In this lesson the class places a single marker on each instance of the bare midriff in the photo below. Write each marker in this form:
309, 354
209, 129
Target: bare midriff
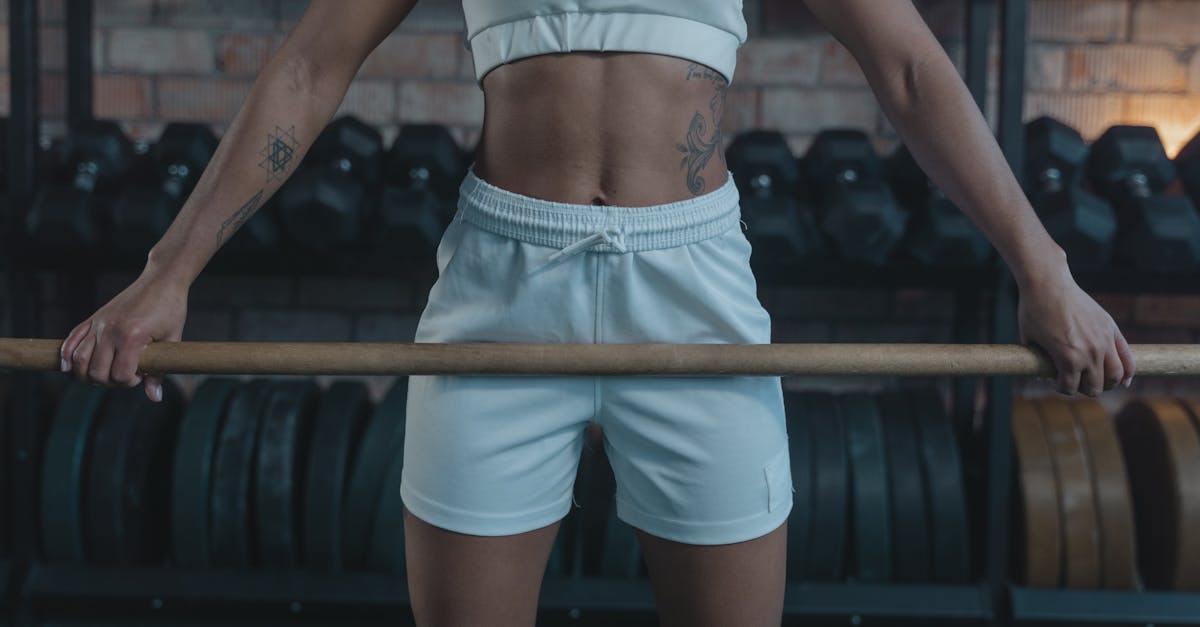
627, 129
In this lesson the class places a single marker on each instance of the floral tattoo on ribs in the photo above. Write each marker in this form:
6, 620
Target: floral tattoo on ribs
698, 149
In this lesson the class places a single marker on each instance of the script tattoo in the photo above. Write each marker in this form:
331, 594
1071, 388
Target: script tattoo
239, 217
698, 149
277, 154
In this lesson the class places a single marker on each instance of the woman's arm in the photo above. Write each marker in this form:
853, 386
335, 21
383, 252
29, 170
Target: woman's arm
924, 98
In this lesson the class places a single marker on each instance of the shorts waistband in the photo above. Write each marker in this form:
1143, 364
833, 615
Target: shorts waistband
605, 228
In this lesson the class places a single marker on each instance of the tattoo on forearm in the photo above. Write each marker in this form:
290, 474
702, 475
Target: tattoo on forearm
699, 150
277, 154
239, 217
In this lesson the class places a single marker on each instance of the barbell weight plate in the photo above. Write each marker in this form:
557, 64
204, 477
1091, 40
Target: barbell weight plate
386, 549
63, 472
382, 441
128, 482
870, 519
1038, 521
4, 474
801, 450
909, 506
593, 497
1077, 502
943, 473
1114, 505
278, 470
337, 429
827, 547
233, 472
1162, 454
622, 554
192, 478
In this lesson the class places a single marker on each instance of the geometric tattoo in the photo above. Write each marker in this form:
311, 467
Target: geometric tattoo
277, 154
698, 150
239, 217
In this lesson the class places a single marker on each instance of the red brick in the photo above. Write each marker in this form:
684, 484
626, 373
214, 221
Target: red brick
890, 332
1045, 66
371, 101
52, 94
49, 11
121, 97
1119, 306
1177, 118
1167, 311
779, 61
161, 50
439, 15
1127, 68
944, 17
741, 111
122, 12
839, 67
813, 110
1156, 335
788, 16
4, 48
52, 48
441, 102
1091, 114
923, 305
414, 55
1078, 20
1166, 21
1194, 73
233, 14
205, 99
244, 54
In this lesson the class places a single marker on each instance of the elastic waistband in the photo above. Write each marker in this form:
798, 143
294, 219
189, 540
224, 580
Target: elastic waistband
625, 229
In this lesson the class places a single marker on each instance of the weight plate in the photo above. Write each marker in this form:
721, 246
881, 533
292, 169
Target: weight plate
62, 472
622, 554
943, 475
233, 470
336, 430
382, 441
192, 478
910, 523
1038, 521
1114, 505
556, 564
1162, 453
827, 547
386, 549
278, 470
1077, 502
128, 482
4, 474
594, 490
800, 449
869, 517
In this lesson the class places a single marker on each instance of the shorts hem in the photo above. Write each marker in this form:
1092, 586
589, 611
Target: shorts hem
476, 524
705, 533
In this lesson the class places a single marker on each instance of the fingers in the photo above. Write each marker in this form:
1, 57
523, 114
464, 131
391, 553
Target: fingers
81, 357
67, 350
153, 387
1127, 362
124, 365
1114, 369
1070, 372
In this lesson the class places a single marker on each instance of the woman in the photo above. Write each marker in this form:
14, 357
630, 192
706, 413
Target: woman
599, 210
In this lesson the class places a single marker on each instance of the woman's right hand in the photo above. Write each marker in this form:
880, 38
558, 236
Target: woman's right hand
106, 347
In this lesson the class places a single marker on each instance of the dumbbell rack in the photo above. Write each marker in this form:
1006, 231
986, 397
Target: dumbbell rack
981, 294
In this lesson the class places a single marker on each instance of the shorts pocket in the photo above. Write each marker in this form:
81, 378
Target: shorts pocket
778, 472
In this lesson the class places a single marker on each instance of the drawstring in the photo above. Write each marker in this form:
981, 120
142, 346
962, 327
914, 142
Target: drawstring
606, 236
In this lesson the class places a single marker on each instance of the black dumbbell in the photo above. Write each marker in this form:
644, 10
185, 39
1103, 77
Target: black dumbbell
69, 215
424, 168
1158, 232
939, 234
324, 205
1187, 163
856, 207
143, 212
1084, 224
779, 226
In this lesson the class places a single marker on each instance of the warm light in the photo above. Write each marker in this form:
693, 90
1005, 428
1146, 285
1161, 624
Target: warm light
1176, 136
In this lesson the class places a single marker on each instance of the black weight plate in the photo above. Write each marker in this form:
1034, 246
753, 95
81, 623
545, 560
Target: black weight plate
870, 519
827, 547
943, 474
622, 554
556, 565
4, 499
230, 524
279, 466
910, 524
386, 550
63, 472
336, 430
192, 478
128, 482
382, 442
800, 449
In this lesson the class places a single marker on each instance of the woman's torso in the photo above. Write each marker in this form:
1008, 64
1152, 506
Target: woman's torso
629, 129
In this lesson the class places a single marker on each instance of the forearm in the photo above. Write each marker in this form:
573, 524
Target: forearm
286, 108
938, 120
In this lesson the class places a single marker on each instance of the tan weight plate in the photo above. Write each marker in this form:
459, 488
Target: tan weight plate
1114, 505
1077, 503
1038, 501
1192, 526
1162, 453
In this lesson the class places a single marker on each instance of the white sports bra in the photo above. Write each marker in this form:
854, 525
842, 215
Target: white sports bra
705, 31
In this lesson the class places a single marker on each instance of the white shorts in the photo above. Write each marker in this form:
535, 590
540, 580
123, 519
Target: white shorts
699, 460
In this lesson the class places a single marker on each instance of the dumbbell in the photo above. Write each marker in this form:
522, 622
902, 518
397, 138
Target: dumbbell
1084, 224
779, 227
857, 210
142, 213
939, 234
1187, 163
67, 216
323, 207
1158, 232
424, 168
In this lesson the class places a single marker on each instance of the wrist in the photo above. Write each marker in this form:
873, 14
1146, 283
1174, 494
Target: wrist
163, 267
1048, 267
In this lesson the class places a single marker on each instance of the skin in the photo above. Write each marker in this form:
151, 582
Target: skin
620, 129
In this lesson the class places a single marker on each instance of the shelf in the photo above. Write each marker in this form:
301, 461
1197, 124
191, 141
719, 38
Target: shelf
1108, 607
